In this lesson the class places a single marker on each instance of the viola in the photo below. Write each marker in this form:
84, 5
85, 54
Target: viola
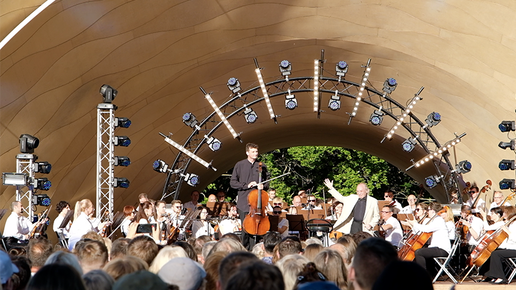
256, 221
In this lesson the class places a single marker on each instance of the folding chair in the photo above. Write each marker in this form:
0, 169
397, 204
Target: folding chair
444, 262
511, 265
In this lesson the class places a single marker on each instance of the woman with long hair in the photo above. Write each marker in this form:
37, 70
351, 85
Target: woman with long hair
146, 213
81, 223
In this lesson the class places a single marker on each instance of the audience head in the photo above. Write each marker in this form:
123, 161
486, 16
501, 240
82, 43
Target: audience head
144, 248
56, 277
290, 266
288, 246
312, 250
92, 254
230, 264
141, 280
164, 255
256, 276
309, 275
227, 245
65, 258
98, 280
119, 248
183, 272
330, 263
38, 251
270, 240
7, 269
125, 265
189, 249
20, 279
211, 266
360, 236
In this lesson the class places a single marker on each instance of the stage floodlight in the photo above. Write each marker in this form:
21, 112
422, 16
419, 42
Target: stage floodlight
42, 167
41, 199
341, 68
121, 182
122, 161
191, 179
376, 117
190, 120
42, 183
506, 164
290, 101
389, 85
16, 179
108, 93
464, 166
507, 184
160, 166
433, 119
213, 143
285, 67
250, 115
431, 181
505, 145
122, 122
409, 144
234, 85
28, 143
334, 103
122, 141
507, 126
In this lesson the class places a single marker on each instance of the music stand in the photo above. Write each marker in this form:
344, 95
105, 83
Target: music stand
66, 219
274, 221
296, 223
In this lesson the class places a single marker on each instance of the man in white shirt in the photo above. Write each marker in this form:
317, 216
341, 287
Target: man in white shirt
498, 199
62, 208
411, 207
389, 196
16, 225
473, 202
475, 228
391, 226
194, 202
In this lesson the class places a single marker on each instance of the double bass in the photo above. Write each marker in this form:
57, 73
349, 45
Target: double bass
256, 221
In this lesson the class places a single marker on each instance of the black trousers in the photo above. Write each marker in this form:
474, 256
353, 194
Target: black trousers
496, 263
425, 258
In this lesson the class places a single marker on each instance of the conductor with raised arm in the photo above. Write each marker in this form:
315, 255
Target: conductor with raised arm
360, 211
245, 178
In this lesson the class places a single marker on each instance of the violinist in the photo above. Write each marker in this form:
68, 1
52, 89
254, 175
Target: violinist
232, 223
507, 249
496, 215
439, 244
447, 215
146, 214
411, 207
389, 196
391, 226
17, 226
244, 179
475, 201
202, 226
62, 208
129, 214
81, 223
498, 199
474, 226
175, 216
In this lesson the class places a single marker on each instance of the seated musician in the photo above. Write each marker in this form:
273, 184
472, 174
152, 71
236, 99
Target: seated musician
496, 215
439, 242
391, 226
421, 212
175, 216
507, 249
146, 214
277, 201
311, 203
475, 227
212, 198
389, 196
202, 226
474, 201
129, 214
283, 224
232, 223
272, 196
498, 199
62, 208
17, 226
336, 211
447, 215
411, 207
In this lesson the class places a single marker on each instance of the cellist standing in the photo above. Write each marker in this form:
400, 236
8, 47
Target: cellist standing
245, 178
439, 242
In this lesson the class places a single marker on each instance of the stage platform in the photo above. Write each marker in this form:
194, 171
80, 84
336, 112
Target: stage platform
470, 285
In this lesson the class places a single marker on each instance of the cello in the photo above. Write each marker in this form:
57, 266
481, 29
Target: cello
256, 221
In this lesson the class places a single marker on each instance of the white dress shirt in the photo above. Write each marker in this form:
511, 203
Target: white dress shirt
510, 242
17, 226
79, 228
394, 234
66, 230
407, 210
477, 225
480, 204
439, 237
494, 204
450, 226
124, 226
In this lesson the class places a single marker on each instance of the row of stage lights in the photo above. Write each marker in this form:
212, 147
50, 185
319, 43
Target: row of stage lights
507, 164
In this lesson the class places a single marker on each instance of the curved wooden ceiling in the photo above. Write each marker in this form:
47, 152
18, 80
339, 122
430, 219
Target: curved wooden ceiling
157, 55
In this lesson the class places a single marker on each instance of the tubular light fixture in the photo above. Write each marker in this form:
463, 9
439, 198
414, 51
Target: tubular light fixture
264, 91
316, 85
443, 149
361, 89
219, 112
405, 114
188, 153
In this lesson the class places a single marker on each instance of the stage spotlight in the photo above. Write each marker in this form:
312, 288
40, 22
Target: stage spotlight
341, 68
433, 119
16, 179
108, 93
42, 167
28, 143
290, 101
409, 144
464, 166
507, 126
42, 183
334, 103
506, 164
190, 120
122, 161
250, 115
234, 85
507, 184
122, 122
160, 166
285, 67
376, 117
431, 181
213, 143
121, 182
191, 179
389, 85
122, 141
505, 145
41, 199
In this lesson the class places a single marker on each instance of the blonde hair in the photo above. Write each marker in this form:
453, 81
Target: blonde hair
81, 206
330, 263
125, 265
166, 254
290, 266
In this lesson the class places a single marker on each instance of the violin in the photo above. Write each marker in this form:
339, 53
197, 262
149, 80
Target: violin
39, 226
256, 221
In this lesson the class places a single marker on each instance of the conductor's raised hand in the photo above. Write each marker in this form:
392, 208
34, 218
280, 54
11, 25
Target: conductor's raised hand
328, 183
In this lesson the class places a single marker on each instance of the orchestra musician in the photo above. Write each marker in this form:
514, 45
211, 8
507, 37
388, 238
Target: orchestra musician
448, 217
473, 196
283, 224
194, 202
496, 215
507, 249
420, 212
439, 243
176, 217
17, 226
62, 208
360, 211
474, 226
146, 213
81, 223
497, 200
411, 207
391, 226
129, 214
389, 196
272, 195
336, 211
232, 223
202, 227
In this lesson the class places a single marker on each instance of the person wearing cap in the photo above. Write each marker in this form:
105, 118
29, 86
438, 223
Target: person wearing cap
184, 273
16, 225
7, 269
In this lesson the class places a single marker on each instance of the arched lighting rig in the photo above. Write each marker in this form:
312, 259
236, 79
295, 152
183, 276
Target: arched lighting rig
106, 181
25, 177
